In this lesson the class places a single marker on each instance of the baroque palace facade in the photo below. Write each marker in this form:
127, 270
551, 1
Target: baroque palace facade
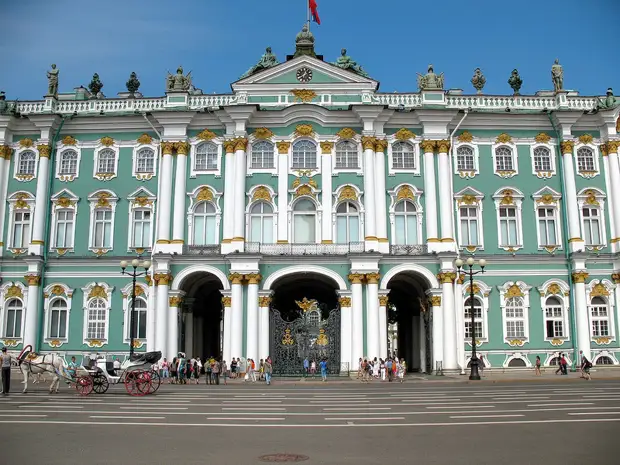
308, 183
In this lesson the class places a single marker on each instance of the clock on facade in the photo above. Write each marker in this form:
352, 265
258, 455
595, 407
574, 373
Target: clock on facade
304, 74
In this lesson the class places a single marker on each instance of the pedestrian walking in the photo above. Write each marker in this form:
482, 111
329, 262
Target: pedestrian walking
313, 368
224, 371
268, 371
306, 367
323, 365
585, 366
216, 372
5, 362
481, 366
537, 366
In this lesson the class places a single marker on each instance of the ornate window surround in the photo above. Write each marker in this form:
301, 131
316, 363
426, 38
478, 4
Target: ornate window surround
481, 293
515, 158
252, 140
100, 148
59, 153
140, 199
605, 289
91, 291
464, 198
51, 293
415, 142
261, 193
587, 142
548, 198
203, 193
517, 356
462, 173
348, 193
194, 142
63, 200
605, 353
551, 148
310, 172
521, 290
552, 355
561, 290
411, 193
8, 291
356, 140
134, 163
593, 197
19, 201
142, 292
101, 199
19, 150
509, 197
312, 197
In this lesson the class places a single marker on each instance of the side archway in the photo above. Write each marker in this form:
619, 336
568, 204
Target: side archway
431, 279
179, 280
302, 269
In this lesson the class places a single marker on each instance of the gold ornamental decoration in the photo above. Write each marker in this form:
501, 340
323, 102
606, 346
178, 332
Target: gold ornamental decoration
612, 146
182, 148
476, 289
5, 152
306, 305
356, 278
542, 138
580, 277
346, 133
546, 199
304, 95
304, 189
368, 142
615, 277
603, 149
95, 343
513, 291
44, 150
235, 278
373, 278
107, 141
167, 148
383, 300
57, 290
304, 130
144, 139
174, 301
25, 143
516, 342
602, 340
241, 143
344, 301
98, 292
435, 301
11, 342
380, 145
599, 291
326, 147
149, 280
69, 140
21, 203
507, 198
263, 133
264, 301
55, 343
288, 340
465, 136
142, 201
591, 198
163, 279
204, 195
468, 199
229, 146
428, 146
322, 340
253, 278
14, 291
64, 202
567, 146
32, 279
226, 301
586, 139
405, 193
557, 342
283, 147
261, 193
347, 193
446, 277
103, 199
554, 289
404, 134
443, 146
205, 134
503, 138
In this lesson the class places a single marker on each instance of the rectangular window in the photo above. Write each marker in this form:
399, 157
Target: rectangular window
96, 323
304, 227
347, 157
304, 159
469, 226
204, 229
477, 321
262, 159
21, 230
555, 329
478, 325
508, 226
13, 322
404, 160
64, 229
141, 229
600, 321
542, 159
261, 229
140, 323
547, 229
102, 229
68, 163
58, 323
206, 161
592, 225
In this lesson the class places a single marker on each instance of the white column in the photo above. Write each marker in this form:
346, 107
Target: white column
164, 197
346, 356
236, 331
445, 199
460, 322
570, 189
240, 170
226, 345
41, 202
614, 170
189, 335
380, 196
31, 323
357, 326
229, 193
178, 224
370, 223
422, 336
5, 163
151, 315
326, 188
383, 336
161, 328
174, 303
581, 313
430, 192
372, 315
252, 321
283, 148
263, 326
449, 320
437, 328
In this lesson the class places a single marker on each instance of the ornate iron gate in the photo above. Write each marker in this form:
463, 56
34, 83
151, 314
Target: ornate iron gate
311, 331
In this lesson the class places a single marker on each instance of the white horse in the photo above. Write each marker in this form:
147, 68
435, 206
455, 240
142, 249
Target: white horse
36, 365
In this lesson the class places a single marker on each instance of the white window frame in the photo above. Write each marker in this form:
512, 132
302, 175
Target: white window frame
24, 202
548, 198
17, 160
338, 198
256, 195
515, 160
337, 215
468, 198
317, 223
604, 289
141, 199
196, 197
4, 299
416, 156
194, 143
501, 198
595, 154
561, 290
140, 176
543, 174
481, 292
272, 169
65, 200
51, 293
317, 167
467, 174
105, 293
142, 292
396, 196
359, 151
105, 176
101, 199
585, 199
505, 292
59, 154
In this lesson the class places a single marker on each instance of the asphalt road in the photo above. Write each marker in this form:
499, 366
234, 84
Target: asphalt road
563, 422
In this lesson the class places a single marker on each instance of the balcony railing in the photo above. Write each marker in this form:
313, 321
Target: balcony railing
408, 249
211, 249
304, 249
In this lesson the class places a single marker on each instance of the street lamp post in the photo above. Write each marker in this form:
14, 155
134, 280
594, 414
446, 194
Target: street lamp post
135, 264
474, 375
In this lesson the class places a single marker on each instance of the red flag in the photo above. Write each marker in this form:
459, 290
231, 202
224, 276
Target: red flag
313, 10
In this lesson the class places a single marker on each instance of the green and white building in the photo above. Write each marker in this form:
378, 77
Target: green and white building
307, 182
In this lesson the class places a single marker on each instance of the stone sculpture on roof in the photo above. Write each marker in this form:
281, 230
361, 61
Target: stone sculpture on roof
557, 76
515, 81
178, 82
430, 81
268, 60
478, 81
52, 81
609, 102
346, 62
304, 43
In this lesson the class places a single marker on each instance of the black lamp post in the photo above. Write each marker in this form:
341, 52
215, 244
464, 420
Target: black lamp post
135, 264
474, 375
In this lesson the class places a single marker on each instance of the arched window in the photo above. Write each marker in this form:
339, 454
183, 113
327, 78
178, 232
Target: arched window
478, 319
13, 320
604, 360
261, 223
503, 159
145, 161
68, 162
406, 223
21, 230
554, 318
599, 317
403, 156
347, 223
26, 163
58, 319
517, 363
585, 160
346, 155
96, 319
592, 224
106, 162
206, 157
304, 154
304, 222
204, 224
465, 159
139, 318
262, 155
515, 318
542, 159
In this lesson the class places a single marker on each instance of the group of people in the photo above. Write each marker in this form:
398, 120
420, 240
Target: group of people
310, 368
584, 366
388, 369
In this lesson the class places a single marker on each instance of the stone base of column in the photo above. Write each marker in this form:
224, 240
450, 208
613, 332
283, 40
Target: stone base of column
384, 245
164, 247
36, 249
237, 244
371, 244
444, 245
176, 246
576, 245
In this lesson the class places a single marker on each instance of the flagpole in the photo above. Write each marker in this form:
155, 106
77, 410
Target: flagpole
308, 13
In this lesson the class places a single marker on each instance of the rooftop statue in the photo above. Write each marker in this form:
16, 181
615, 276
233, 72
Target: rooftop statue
346, 62
609, 102
95, 86
304, 43
478, 81
557, 76
133, 84
268, 60
430, 81
52, 81
515, 81
178, 82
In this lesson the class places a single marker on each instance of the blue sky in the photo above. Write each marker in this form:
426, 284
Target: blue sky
218, 40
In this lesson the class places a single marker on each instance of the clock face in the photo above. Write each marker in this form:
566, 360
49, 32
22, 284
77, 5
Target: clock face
304, 74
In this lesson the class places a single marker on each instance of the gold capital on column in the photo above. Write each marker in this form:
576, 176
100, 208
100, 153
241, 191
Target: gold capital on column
344, 301
235, 278
163, 279
5, 152
443, 146
368, 142
264, 301
326, 148
380, 145
253, 278
373, 278
229, 146
428, 146
167, 148
283, 147
435, 300
567, 146
241, 143
603, 149
174, 301
383, 300
356, 278
149, 280
182, 148
446, 277
612, 146
33, 279
580, 277
44, 150
461, 278
226, 301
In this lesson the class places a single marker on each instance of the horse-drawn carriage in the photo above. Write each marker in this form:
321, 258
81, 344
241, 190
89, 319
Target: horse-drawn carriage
137, 374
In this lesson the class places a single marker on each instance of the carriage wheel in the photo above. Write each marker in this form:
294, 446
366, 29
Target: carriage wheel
155, 381
100, 384
137, 383
84, 385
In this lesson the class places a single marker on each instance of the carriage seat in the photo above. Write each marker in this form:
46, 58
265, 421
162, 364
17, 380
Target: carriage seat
109, 367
